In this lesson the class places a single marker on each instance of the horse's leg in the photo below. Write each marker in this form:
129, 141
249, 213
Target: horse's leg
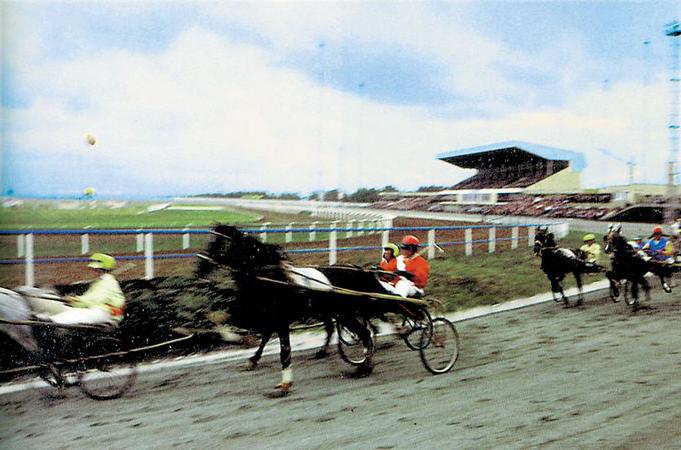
580, 295
634, 291
614, 288
555, 289
285, 356
324, 351
646, 289
253, 360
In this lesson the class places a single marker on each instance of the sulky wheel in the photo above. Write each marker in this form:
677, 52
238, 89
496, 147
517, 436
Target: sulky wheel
417, 327
350, 346
107, 377
440, 350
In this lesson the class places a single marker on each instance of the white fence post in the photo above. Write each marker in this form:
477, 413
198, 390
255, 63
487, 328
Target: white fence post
185, 240
313, 231
21, 247
431, 244
388, 223
492, 239
140, 241
530, 236
332, 248
30, 276
469, 241
351, 225
514, 237
263, 232
148, 256
360, 225
84, 244
289, 235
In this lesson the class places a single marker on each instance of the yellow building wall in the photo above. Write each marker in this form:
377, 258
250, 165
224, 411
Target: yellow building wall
564, 182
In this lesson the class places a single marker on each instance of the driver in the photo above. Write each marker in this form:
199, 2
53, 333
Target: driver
592, 251
102, 303
389, 261
413, 269
659, 247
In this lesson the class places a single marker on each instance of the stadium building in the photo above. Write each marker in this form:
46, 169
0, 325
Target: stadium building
514, 167
507, 173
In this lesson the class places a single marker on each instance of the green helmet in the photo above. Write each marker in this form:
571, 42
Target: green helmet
393, 247
589, 237
102, 261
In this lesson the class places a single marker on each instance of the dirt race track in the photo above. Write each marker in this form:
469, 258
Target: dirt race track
594, 377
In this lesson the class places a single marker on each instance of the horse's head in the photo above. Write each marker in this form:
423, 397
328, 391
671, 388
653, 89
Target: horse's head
542, 239
238, 251
614, 241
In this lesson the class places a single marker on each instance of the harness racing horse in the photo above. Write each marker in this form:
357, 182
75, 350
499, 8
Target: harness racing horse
628, 265
556, 262
272, 294
14, 308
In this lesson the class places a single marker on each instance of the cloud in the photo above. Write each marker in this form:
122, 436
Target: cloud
208, 113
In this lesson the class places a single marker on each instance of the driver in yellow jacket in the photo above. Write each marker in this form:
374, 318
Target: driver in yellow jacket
592, 252
102, 303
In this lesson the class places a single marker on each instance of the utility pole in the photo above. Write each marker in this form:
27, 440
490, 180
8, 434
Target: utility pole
673, 30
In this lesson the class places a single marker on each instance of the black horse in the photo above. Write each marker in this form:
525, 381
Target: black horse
267, 300
556, 262
628, 265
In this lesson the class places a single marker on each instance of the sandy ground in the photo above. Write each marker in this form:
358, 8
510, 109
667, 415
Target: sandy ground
595, 377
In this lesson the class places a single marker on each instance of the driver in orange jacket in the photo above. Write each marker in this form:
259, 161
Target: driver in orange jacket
413, 269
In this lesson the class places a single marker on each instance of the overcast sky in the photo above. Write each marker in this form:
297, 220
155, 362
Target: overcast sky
191, 97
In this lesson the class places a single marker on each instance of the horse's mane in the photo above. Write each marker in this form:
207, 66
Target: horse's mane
239, 252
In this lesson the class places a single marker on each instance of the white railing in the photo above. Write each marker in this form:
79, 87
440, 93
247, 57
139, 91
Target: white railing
25, 241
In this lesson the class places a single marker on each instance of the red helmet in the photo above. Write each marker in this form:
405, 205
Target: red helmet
657, 230
410, 240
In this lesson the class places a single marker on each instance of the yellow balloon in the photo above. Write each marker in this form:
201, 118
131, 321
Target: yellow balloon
90, 138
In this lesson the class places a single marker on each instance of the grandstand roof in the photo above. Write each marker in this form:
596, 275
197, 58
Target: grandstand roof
475, 157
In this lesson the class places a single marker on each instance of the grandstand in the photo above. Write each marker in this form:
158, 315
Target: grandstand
515, 164
524, 179
513, 177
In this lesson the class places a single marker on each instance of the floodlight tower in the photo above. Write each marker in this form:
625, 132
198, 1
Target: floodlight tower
673, 30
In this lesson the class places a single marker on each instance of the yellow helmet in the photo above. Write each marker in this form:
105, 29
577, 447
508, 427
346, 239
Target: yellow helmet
102, 261
393, 247
589, 237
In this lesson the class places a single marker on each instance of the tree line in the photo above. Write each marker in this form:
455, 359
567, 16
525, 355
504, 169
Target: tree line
361, 195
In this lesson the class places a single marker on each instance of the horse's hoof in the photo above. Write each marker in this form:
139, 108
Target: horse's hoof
277, 394
639, 307
250, 365
321, 354
666, 288
283, 388
363, 371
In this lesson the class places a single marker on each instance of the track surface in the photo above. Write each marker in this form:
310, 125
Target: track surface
594, 377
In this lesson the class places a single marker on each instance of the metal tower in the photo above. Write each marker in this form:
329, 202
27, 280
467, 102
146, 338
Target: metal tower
673, 30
